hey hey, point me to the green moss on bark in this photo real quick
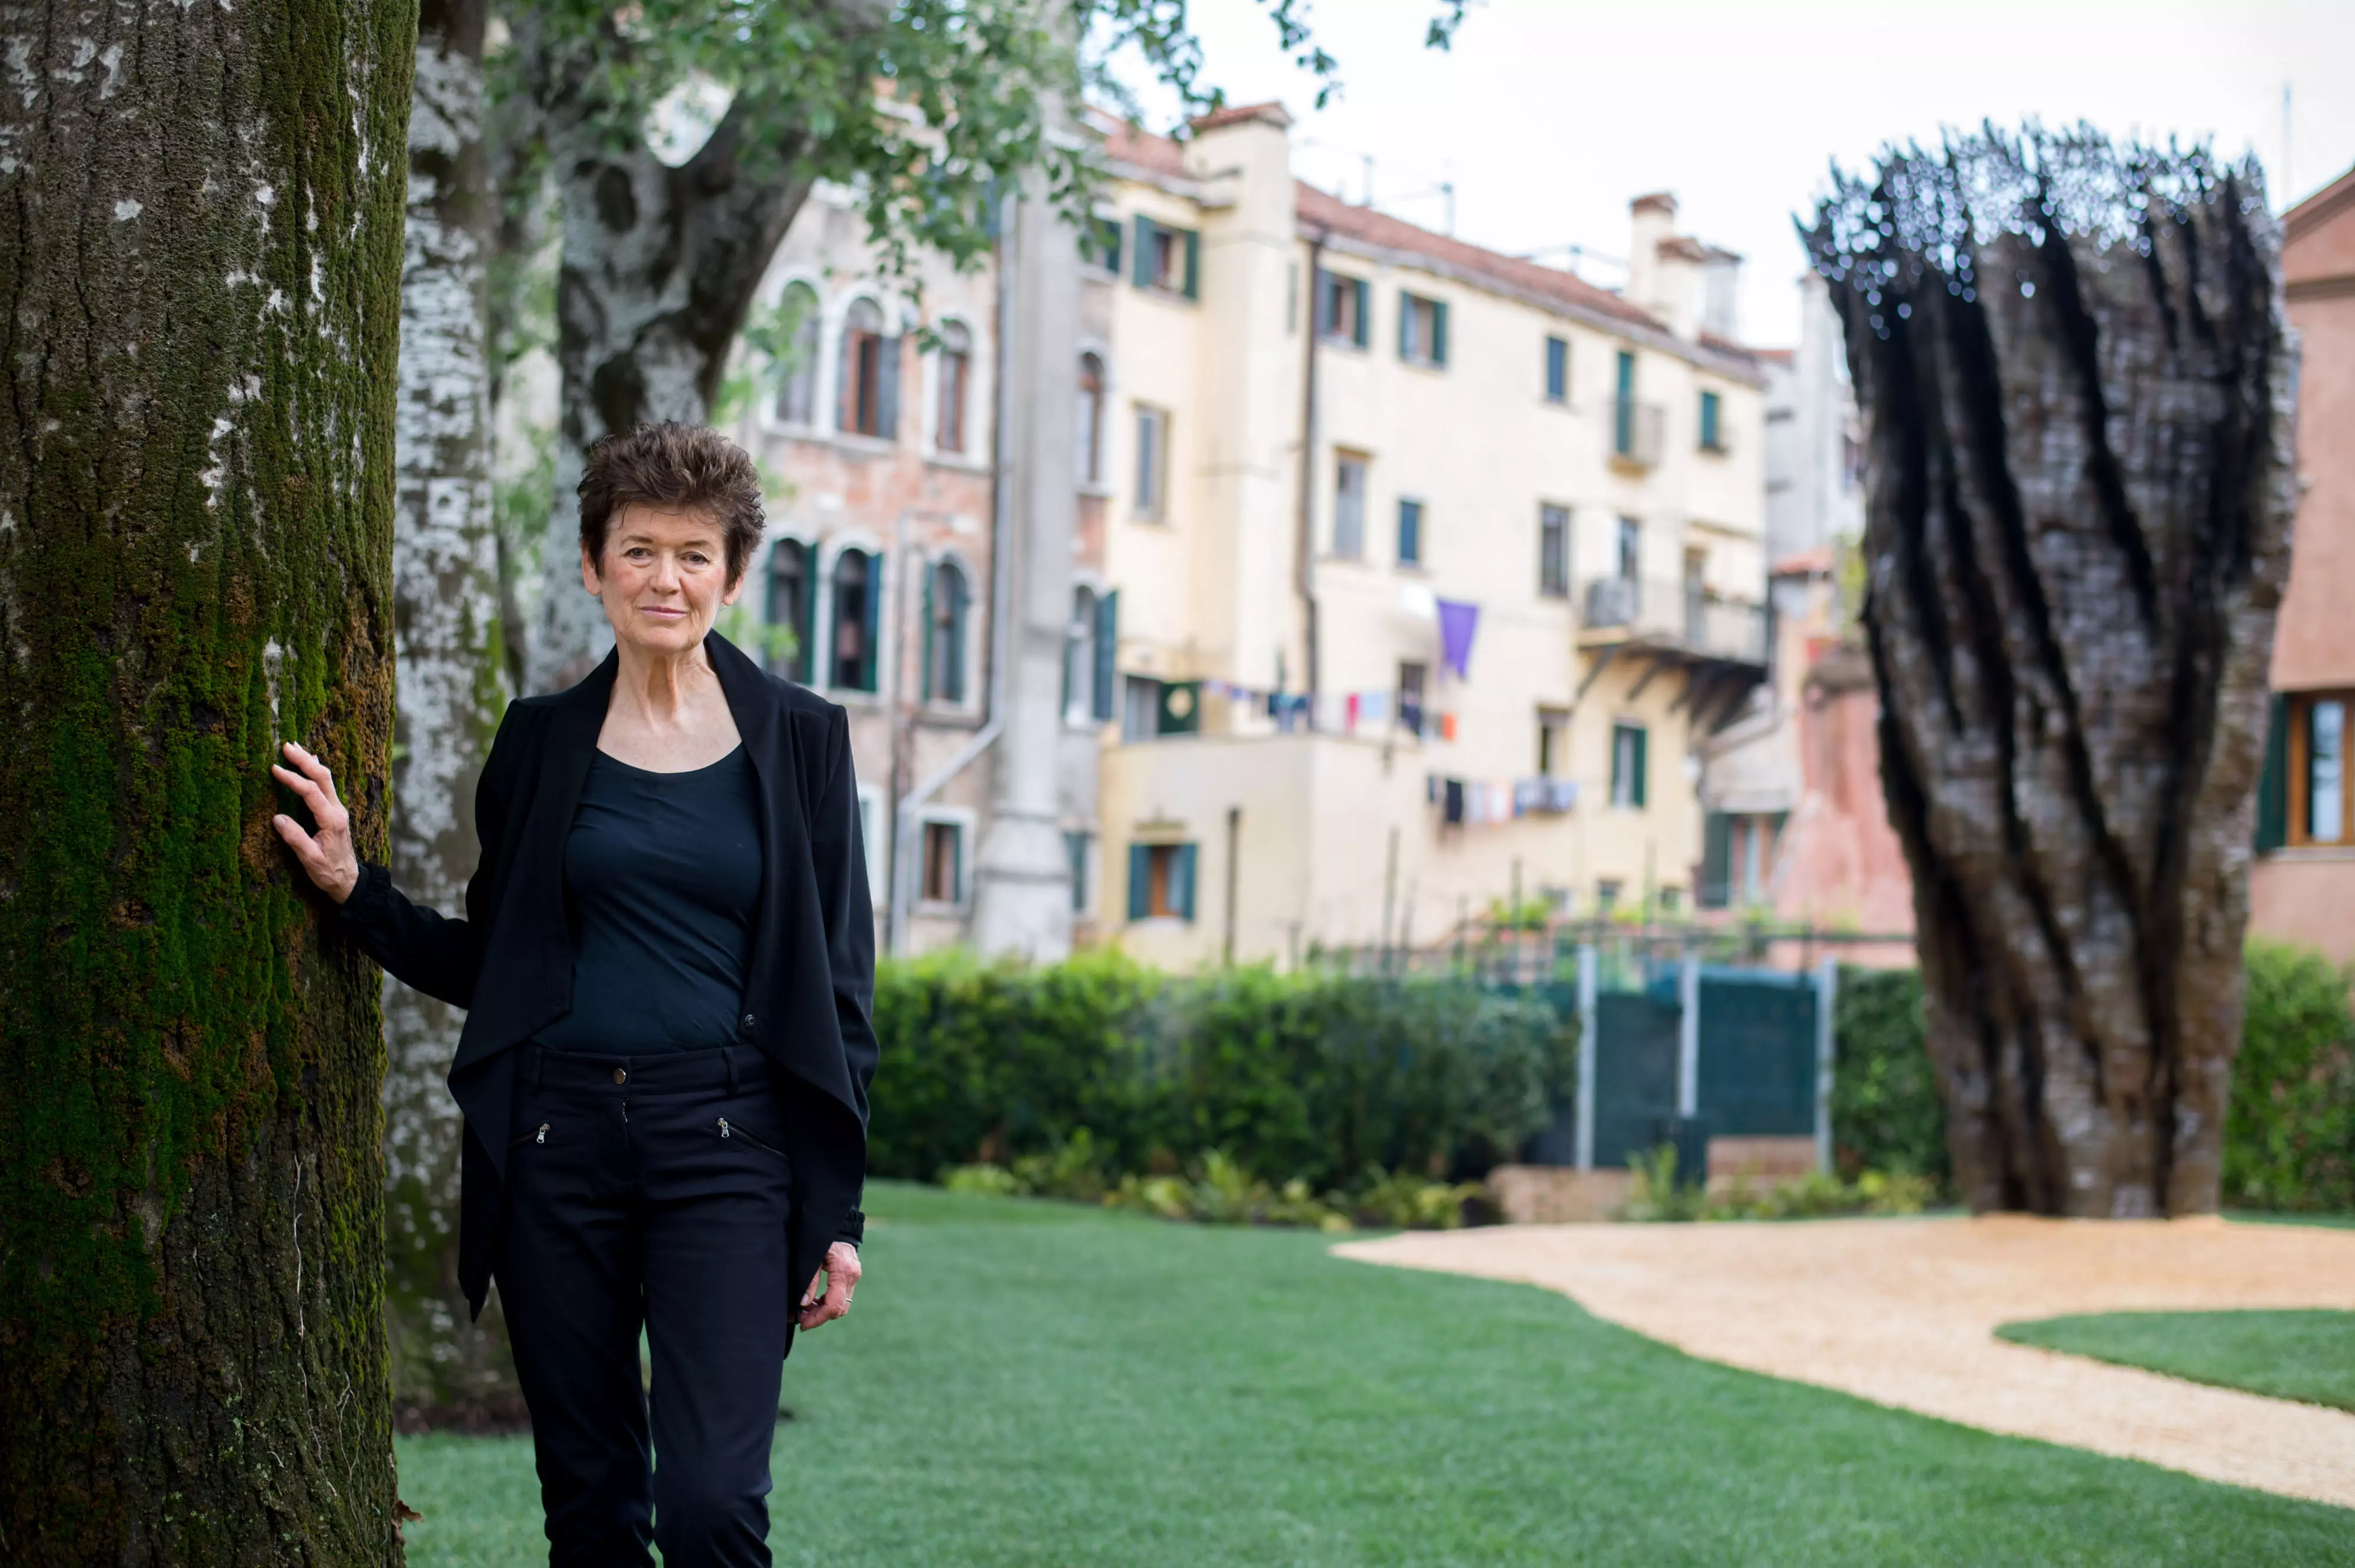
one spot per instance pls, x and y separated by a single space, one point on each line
203 263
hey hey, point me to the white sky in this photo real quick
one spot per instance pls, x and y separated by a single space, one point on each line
1550 114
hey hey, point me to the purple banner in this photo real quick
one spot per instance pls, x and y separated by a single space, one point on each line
1458 622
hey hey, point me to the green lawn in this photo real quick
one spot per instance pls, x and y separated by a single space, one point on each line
2289 1355
1033 1383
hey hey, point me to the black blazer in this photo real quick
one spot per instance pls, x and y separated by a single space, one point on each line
807 997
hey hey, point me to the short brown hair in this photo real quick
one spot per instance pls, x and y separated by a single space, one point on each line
674 468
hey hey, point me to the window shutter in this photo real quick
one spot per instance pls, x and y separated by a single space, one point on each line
1181 708
887 389
1181 879
1107 648
2272 783
956 865
932 575
1643 739
872 662
1364 323
1406 325
1140 881
1439 332
1193 265
1142 265
1320 302
1716 861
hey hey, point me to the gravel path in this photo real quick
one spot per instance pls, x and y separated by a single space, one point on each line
1902 1312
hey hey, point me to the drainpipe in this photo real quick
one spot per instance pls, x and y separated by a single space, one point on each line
905 844
1305 546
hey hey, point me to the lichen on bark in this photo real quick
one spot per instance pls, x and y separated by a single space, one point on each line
450 694
2074 375
202 263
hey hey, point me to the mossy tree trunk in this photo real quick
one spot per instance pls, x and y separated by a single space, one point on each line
2074 376
445 606
202 256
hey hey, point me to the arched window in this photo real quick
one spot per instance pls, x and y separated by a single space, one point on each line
946 601
856 597
788 610
1080 656
870 374
955 373
797 365
1088 451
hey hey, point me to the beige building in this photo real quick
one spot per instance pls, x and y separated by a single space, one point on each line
1432 565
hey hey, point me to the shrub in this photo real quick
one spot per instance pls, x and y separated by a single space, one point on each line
1073 1077
2289 1140
1886 1114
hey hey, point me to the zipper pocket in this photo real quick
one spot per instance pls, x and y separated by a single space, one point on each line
538 1135
728 1129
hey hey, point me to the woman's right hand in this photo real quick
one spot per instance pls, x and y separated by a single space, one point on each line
327 856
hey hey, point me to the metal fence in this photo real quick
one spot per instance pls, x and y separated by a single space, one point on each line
1685 1032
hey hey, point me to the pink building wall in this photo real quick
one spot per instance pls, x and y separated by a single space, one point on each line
1840 863
2307 894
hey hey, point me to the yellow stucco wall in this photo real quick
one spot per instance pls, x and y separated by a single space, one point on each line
1210 589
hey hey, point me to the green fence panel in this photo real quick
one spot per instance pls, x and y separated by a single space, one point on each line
1757 1061
1635 1072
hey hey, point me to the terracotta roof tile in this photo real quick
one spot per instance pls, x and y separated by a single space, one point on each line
1127 143
1319 210
1271 112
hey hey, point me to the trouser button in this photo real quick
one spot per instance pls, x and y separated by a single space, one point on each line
620 1076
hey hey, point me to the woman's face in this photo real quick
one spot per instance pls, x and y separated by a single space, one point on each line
663 579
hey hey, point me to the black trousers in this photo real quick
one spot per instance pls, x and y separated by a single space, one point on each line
649 1191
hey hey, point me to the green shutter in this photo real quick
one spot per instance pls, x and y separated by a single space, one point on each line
887 389
1627 374
1643 769
874 659
1140 881
1193 265
1320 304
2273 784
1107 652
1142 268
1181 877
1364 312
1406 325
1716 861
931 572
1181 708
1439 332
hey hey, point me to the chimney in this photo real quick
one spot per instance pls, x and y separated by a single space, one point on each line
1651 219
1720 294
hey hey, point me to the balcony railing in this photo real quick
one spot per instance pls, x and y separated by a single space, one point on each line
1682 616
1638 431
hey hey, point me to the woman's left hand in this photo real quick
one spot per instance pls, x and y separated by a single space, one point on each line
840 1278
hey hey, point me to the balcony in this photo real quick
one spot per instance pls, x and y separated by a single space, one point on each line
1638 433
1671 618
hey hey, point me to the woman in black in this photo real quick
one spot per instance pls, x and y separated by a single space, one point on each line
668 960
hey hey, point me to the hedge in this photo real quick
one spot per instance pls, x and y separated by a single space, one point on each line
1309 1077
2289 1138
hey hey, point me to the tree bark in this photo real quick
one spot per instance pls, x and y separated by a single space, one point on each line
450 695
658 269
202 261
2075 385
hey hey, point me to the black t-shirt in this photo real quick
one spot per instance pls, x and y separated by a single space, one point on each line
662 881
